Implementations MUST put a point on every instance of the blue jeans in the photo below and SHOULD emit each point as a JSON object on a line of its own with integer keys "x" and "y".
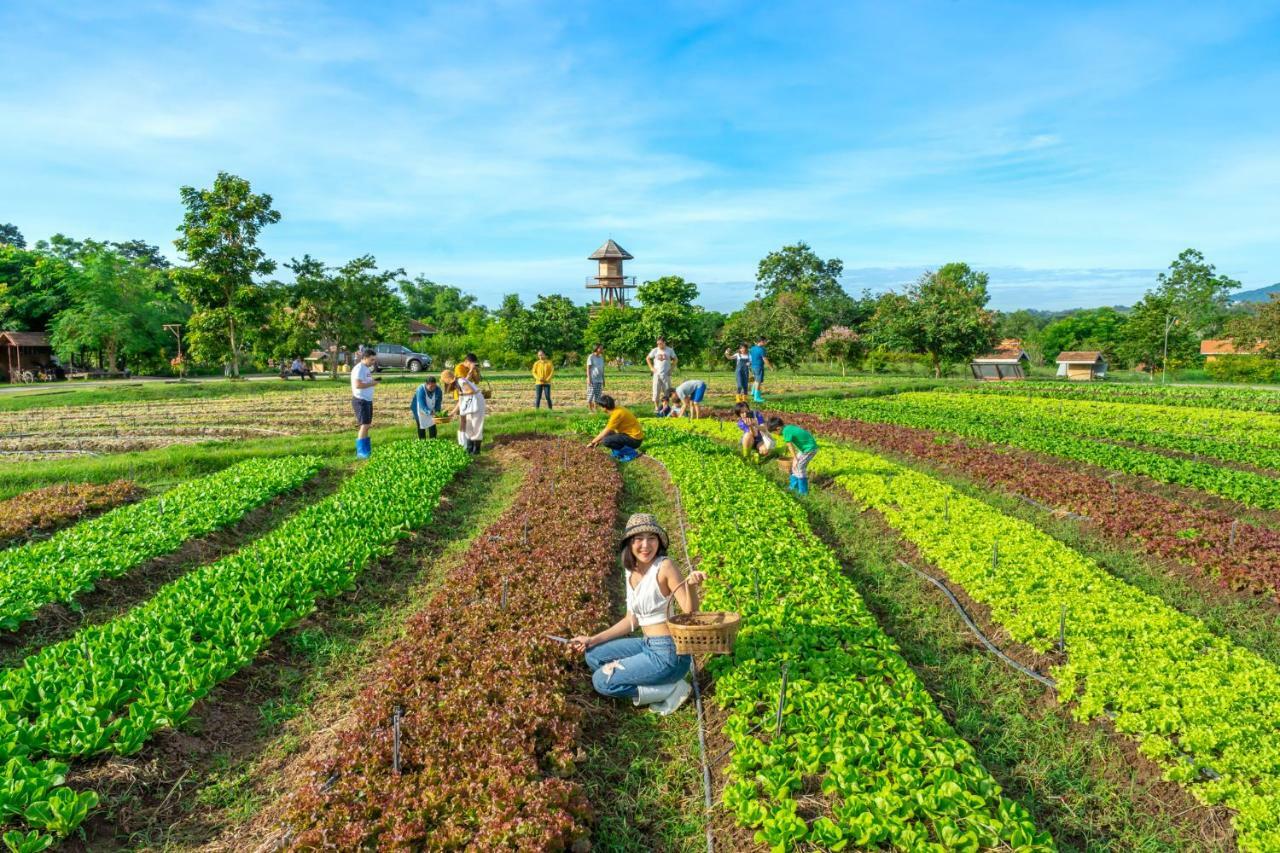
{"x": 645, "y": 660}
{"x": 539, "y": 390}
{"x": 744, "y": 381}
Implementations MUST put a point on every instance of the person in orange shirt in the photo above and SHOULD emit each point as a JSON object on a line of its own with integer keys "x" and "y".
{"x": 543, "y": 370}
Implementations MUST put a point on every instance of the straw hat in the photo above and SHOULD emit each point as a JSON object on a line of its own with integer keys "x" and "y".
{"x": 643, "y": 522}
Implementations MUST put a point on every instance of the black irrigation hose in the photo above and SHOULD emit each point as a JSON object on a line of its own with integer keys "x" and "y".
{"x": 977, "y": 632}
{"x": 697, "y": 691}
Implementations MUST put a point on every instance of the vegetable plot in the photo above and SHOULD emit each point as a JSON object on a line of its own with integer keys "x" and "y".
{"x": 1235, "y": 554}
{"x": 55, "y": 506}
{"x": 1237, "y": 399}
{"x": 488, "y": 733}
{"x": 69, "y": 563}
{"x": 109, "y": 687}
{"x": 1243, "y": 486}
{"x": 1202, "y": 707}
{"x": 864, "y": 758}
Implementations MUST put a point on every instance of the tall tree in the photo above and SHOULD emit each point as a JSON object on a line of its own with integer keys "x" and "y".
{"x": 117, "y": 306}
{"x": 1259, "y": 325}
{"x": 1156, "y": 327}
{"x": 799, "y": 270}
{"x": 11, "y": 236}
{"x": 619, "y": 329}
{"x": 440, "y": 305}
{"x": 344, "y": 306}
{"x": 1091, "y": 329}
{"x": 784, "y": 320}
{"x": 1197, "y": 293}
{"x": 219, "y": 236}
{"x": 667, "y": 311}
{"x": 32, "y": 288}
{"x": 553, "y": 323}
{"x": 943, "y": 316}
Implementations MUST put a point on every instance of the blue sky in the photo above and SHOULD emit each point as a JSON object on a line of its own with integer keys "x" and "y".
{"x": 1069, "y": 149}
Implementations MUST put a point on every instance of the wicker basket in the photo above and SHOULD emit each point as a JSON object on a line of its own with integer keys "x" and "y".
{"x": 784, "y": 462}
{"x": 708, "y": 632}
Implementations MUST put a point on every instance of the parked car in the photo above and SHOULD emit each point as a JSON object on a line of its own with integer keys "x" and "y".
{"x": 396, "y": 357}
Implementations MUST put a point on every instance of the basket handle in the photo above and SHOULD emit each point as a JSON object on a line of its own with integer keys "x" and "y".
{"x": 671, "y": 600}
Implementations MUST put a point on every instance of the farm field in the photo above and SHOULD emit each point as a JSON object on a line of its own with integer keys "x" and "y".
{"x": 1005, "y": 618}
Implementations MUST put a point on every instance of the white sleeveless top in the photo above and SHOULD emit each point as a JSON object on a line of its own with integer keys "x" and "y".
{"x": 646, "y": 602}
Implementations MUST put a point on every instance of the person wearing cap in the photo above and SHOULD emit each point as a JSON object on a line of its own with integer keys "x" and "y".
{"x": 469, "y": 408}
{"x": 645, "y": 669}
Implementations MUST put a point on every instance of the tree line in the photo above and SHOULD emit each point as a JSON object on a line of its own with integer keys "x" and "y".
{"x": 113, "y": 300}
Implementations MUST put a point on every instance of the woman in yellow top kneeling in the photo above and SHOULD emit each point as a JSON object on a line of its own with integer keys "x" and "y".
{"x": 622, "y": 429}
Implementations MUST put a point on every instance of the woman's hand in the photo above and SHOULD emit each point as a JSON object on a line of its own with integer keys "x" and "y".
{"x": 580, "y": 644}
{"x": 696, "y": 578}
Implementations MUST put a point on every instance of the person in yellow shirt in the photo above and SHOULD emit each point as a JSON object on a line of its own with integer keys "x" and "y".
{"x": 622, "y": 429}
{"x": 543, "y": 370}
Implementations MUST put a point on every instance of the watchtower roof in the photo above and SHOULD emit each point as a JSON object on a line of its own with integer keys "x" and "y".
{"x": 610, "y": 251}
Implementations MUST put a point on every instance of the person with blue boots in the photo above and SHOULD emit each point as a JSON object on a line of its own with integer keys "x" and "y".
{"x": 803, "y": 446}
{"x": 362, "y": 385}
{"x": 645, "y": 669}
{"x": 622, "y": 433}
{"x": 759, "y": 361}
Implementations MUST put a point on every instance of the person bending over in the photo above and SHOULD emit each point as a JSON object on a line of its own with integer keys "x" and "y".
{"x": 690, "y": 394}
{"x": 755, "y": 433}
{"x": 621, "y": 430}
{"x": 644, "y": 669}
{"x": 803, "y": 446}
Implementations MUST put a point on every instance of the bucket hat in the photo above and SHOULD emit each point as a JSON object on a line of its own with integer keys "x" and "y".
{"x": 643, "y": 522}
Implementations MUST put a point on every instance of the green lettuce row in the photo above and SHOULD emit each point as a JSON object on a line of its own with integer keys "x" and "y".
{"x": 1230, "y": 436}
{"x": 109, "y": 687}
{"x": 1201, "y": 397}
{"x": 1242, "y": 486}
{"x": 69, "y": 563}
{"x": 1200, "y": 706}
{"x": 858, "y": 726}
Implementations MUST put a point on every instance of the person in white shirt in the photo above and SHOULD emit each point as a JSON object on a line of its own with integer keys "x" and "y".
{"x": 660, "y": 360}
{"x": 595, "y": 377}
{"x": 362, "y": 384}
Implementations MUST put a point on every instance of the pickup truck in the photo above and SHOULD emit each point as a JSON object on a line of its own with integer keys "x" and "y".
{"x": 396, "y": 357}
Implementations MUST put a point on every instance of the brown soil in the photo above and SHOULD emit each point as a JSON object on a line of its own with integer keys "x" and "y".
{"x": 112, "y": 597}
{"x": 150, "y": 798}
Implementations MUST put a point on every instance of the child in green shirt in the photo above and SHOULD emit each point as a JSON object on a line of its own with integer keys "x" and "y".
{"x": 802, "y": 445}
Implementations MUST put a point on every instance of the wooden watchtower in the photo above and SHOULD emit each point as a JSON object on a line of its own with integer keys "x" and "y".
{"x": 609, "y": 280}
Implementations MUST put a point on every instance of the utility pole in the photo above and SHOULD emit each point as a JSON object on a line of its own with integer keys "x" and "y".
{"x": 176, "y": 330}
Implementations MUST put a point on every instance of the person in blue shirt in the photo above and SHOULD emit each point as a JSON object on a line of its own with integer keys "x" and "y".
{"x": 425, "y": 405}
{"x": 759, "y": 361}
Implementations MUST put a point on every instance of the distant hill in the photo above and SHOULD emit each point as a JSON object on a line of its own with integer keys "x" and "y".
{"x": 1261, "y": 294}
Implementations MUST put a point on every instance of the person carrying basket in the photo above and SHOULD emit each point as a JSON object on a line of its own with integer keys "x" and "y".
{"x": 645, "y": 669}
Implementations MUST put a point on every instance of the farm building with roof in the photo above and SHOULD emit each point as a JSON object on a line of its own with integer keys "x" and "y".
{"x": 1007, "y": 361}
{"x": 1212, "y": 350}
{"x": 1081, "y": 365}
{"x": 24, "y": 352}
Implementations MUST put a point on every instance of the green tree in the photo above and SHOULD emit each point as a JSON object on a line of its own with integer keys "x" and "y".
{"x": 1260, "y": 324}
{"x": 11, "y": 236}
{"x": 1155, "y": 320}
{"x": 343, "y": 306}
{"x": 443, "y": 306}
{"x": 1196, "y": 293}
{"x": 798, "y": 270}
{"x": 219, "y": 236}
{"x": 667, "y": 311}
{"x": 943, "y": 316}
{"x": 32, "y": 288}
{"x": 619, "y": 329}
{"x": 553, "y": 323}
{"x": 1090, "y": 329}
{"x": 117, "y": 306}
{"x": 784, "y": 320}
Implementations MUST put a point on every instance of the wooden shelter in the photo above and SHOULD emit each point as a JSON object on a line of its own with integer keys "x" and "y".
{"x": 24, "y": 352}
{"x": 1212, "y": 350}
{"x": 1008, "y": 361}
{"x": 420, "y": 331}
{"x": 1082, "y": 365}
{"x": 609, "y": 280}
